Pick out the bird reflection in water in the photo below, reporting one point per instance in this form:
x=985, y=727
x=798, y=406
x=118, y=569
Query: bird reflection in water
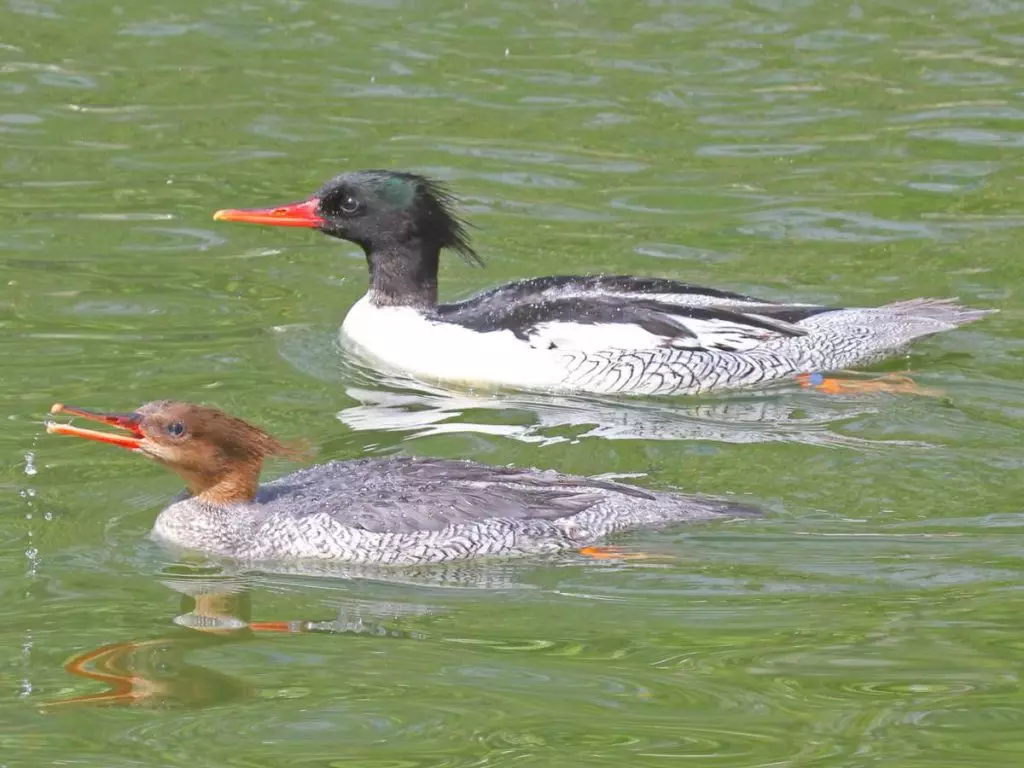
x=217, y=612
x=420, y=410
x=157, y=673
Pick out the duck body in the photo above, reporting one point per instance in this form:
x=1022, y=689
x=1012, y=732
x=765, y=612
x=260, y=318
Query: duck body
x=631, y=335
x=408, y=511
x=600, y=334
x=379, y=511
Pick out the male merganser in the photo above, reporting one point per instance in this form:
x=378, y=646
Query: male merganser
x=398, y=511
x=601, y=334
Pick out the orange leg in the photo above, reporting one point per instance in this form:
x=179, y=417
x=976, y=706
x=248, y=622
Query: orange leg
x=892, y=383
x=278, y=626
x=614, y=553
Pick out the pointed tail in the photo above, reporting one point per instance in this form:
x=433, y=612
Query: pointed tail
x=943, y=312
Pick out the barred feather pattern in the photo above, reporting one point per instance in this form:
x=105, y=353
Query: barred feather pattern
x=835, y=340
x=397, y=512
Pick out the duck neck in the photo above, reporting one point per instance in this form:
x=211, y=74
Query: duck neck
x=236, y=485
x=404, y=274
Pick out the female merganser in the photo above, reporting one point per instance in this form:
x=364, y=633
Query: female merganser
x=398, y=511
x=603, y=334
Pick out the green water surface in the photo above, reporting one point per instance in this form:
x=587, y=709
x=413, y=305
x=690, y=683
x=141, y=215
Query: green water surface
x=841, y=152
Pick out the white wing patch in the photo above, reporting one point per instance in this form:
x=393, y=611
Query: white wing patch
x=693, y=334
x=721, y=334
x=593, y=337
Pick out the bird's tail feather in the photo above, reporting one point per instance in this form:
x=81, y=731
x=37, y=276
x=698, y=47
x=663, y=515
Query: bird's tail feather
x=945, y=311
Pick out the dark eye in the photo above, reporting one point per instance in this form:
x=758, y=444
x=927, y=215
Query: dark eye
x=175, y=429
x=349, y=205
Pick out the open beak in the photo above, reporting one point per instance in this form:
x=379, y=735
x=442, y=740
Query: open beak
x=301, y=214
x=127, y=421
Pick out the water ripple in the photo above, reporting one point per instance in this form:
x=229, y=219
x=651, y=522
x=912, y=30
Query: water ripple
x=850, y=154
x=834, y=226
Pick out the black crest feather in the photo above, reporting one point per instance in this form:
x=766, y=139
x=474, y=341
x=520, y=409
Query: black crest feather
x=442, y=203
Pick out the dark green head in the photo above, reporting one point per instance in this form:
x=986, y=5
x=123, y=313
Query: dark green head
x=379, y=210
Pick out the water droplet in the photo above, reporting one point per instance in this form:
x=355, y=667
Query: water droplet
x=32, y=555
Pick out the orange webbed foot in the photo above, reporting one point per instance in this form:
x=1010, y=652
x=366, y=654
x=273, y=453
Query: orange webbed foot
x=889, y=383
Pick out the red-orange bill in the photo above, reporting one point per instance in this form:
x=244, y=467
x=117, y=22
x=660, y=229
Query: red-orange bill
x=127, y=421
x=301, y=214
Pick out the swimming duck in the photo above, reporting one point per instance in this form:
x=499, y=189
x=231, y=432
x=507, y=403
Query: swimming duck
x=396, y=511
x=600, y=334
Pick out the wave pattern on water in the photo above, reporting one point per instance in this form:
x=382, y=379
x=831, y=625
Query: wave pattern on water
x=843, y=153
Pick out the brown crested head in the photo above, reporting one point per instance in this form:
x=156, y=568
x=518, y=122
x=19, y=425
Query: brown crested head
x=219, y=456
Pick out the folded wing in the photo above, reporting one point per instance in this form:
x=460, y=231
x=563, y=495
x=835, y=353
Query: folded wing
x=628, y=313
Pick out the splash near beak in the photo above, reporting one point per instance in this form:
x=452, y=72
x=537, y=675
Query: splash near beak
x=301, y=214
x=126, y=421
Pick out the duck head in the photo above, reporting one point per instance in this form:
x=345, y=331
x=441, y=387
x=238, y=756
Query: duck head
x=401, y=220
x=218, y=456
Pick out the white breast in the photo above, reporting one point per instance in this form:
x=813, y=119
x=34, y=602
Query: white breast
x=403, y=340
